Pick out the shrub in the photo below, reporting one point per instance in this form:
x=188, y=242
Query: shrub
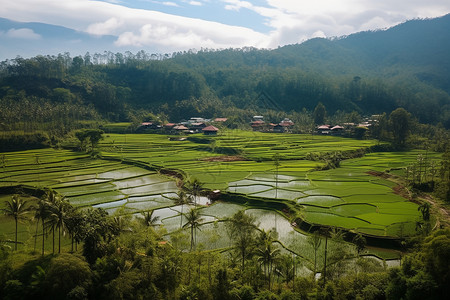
x=14, y=141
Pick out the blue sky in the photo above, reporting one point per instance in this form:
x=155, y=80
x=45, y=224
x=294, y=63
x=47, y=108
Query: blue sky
x=176, y=25
x=213, y=10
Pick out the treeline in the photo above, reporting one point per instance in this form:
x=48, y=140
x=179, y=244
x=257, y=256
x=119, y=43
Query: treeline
x=129, y=258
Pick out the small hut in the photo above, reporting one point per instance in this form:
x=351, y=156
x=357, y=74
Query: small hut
x=180, y=129
x=337, y=130
x=210, y=130
x=323, y=129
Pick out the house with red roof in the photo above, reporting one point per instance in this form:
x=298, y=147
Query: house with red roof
x=210, y=130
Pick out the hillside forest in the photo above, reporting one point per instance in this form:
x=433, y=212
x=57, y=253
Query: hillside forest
x=367, y=73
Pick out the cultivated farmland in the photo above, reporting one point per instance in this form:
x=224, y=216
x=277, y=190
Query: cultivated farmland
x=276, y=177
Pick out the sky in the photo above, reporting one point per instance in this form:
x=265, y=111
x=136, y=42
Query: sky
x=175, y=25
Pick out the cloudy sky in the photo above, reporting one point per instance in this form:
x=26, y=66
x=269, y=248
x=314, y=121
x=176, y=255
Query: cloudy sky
x=172, y=25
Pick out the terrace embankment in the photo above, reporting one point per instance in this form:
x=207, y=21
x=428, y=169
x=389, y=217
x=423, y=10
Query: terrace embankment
x=169, y=172
x=225, y=158
x=399, y=189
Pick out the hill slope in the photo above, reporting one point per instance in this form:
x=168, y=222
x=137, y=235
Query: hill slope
x=370, y=72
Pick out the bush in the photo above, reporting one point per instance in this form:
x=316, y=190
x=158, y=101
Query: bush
x=14, y=141
x=65, y=273
x=13, y=289
x=267, y=295
x=245, y=292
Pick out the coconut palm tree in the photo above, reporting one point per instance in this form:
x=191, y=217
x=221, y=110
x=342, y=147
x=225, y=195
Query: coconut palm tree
x=315, y=241
x=241, y=228
x=182, y=198
x=267, y=253
x=40, y=214
x=59, y=212
x=193, y=222
x=18, y=209
x=276, y=162
x=149, y=220
x=194, y=187
x=52, y=198
x=74, y=225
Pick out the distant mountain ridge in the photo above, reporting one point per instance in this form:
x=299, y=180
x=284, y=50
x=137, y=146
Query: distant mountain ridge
x=368, y=72
x=421, y=46
x=46, y=39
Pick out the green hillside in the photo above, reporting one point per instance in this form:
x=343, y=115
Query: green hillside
x=369, y=72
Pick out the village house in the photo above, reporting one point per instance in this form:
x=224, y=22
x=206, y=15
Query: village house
x=197, y=127
x=220, y=120
x=258, y=123
x=287, y=124
x=323, y=129
x=210, y=130
x=180, y=129
x=337, y=130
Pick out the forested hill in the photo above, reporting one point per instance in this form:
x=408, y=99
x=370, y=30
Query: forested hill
x=368, y=72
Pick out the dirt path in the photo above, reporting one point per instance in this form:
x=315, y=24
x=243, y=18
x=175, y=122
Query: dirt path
x=443, y=212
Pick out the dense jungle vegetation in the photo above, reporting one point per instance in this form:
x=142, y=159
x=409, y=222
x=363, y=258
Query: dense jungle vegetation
x=127, y=258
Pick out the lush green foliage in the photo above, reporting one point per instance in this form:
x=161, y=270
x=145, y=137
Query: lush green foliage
x=136, y=262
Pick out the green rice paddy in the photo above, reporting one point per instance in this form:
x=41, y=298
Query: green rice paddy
x=346, y=197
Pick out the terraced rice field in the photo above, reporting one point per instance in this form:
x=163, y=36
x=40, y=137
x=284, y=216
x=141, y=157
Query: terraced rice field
x=346, y=197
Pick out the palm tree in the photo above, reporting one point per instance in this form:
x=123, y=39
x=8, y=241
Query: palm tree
x=193, y=221
x=41, y=214
x=241, y=227
x=267, y=253
x=52, y=198
x=18, y=209
x=74, y=225
x=149, y=219
x=59, y=215
x=315, y=241
x=182, y=198
x=194, y=187
x=276, y=162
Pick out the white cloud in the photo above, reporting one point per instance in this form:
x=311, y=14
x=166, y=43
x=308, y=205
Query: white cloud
x=133, y=26
x=237, y=5
x=295, y=21
x=170, y=4
x=23, y=33
x=289, y=21
x=195, y=3
x=104, y=28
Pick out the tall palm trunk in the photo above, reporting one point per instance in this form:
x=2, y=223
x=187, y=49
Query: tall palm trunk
x=325, y=262
x=53, y=237
x=192, y=237
x=15, y=241
x=59, y=239
x=181, y=216
x=43, y=236
x=35, y=236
